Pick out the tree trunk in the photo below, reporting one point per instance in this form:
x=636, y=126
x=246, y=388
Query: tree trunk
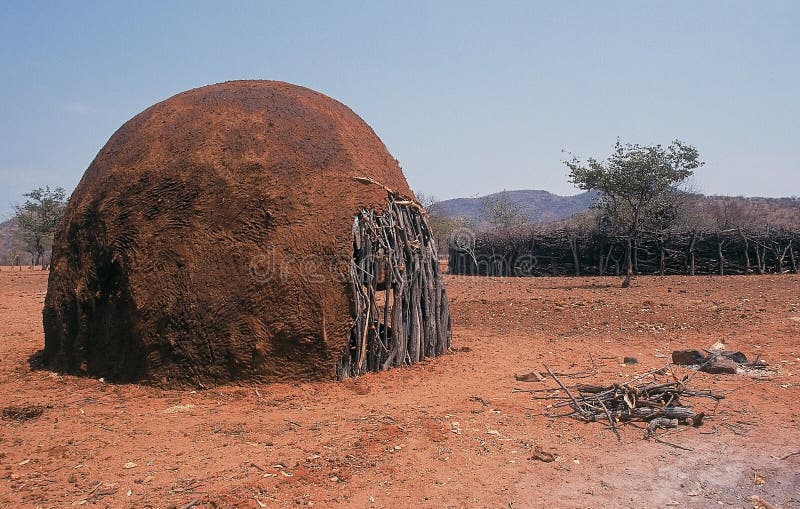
x=629, y=256
x=601, y=265
x=783, y=257
x=573, y=244
x=747, y=269
x=758, y=260
x=628, y=262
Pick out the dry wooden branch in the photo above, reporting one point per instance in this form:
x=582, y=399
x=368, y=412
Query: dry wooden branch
x=577, y=407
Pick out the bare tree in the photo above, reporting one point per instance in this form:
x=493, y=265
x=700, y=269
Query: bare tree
x=442, y=224
x=503, y=214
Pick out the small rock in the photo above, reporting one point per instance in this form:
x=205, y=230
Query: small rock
x=737, y=357
x=687, y=357
x=528, y=376
x=630, y=360
x=719, y=346
x=760, y=503
x=540, y=455
x=174, y=409
x=719, y=366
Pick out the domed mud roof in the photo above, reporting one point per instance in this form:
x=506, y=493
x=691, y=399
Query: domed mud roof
x=211, y=238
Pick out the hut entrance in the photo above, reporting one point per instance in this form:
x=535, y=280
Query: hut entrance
x=400, y=313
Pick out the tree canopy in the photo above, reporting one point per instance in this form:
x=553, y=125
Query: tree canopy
x=639, y=185
x=39, y=217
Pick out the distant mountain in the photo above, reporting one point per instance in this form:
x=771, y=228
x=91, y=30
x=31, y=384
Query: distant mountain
x=536, y=206
x=700, y=211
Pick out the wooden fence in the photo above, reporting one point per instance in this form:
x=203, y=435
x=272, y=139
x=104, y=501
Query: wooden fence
x=565, y=253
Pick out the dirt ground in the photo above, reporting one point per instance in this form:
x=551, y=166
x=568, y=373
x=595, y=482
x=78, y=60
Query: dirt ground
x=445, y=433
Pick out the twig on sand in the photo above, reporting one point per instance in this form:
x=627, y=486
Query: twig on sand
x=189, y=505
x=86, y=497
x=671, y=444
x=790, y=455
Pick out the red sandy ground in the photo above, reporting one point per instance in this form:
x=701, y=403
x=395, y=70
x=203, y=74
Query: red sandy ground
x=389, y=440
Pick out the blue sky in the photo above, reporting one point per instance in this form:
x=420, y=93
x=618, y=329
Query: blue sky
x=471, y=97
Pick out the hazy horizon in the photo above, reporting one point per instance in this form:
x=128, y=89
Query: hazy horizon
x=471, y=98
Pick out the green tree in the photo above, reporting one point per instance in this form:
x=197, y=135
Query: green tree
x=639, y=187
x=38, y=219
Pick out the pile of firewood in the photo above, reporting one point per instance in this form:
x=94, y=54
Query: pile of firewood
x=652, y=397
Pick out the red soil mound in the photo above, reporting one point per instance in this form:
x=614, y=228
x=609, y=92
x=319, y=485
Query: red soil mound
x=203, y=241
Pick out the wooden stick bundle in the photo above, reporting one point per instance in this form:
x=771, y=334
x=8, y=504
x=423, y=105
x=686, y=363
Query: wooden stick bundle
x=401, y=314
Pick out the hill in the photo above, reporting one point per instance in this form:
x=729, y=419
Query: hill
x=536, y=206
x=700, y=211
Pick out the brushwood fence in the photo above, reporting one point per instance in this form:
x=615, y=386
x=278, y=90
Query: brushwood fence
x=565, y=253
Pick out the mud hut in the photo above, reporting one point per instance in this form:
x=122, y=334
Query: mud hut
x=250, y=230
